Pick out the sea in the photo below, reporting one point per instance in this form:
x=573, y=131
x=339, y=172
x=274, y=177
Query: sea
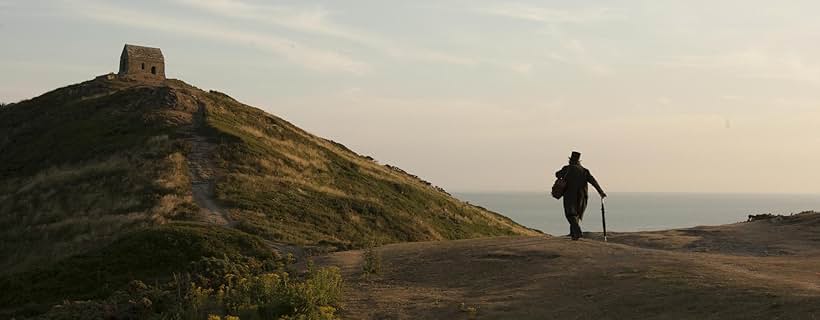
x=628, y=212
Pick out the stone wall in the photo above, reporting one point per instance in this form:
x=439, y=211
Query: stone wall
x=143, y=69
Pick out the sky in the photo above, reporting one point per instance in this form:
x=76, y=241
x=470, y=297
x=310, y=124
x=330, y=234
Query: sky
x=481, y=95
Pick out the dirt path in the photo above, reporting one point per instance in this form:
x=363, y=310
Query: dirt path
x=201, y=165
x=202, y=168
x=556, y=278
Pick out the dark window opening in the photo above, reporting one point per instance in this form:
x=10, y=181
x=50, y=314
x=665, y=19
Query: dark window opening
x=143, y=66
x=153, y=70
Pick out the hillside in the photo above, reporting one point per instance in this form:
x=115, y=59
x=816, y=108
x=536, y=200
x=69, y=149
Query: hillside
x=86, y=168
x=750, y=270
x=82, y=164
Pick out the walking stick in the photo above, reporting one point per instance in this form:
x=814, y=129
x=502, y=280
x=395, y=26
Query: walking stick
x=603, y=217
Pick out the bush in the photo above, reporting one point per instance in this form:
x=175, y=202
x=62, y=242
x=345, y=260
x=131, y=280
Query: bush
x=240, y=294
x=372, y=261
x=275, y=295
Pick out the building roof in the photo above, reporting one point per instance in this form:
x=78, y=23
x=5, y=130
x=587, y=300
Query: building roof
x=143, y=53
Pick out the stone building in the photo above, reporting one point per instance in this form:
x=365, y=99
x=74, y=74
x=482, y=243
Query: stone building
x=142, y=63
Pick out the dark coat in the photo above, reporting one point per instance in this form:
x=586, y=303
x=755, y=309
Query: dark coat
x=576, y=195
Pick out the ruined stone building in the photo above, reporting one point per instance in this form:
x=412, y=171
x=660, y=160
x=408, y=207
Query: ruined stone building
x=142, y=63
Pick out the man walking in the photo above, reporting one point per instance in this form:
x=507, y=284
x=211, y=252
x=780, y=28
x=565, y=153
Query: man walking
x=576, y=194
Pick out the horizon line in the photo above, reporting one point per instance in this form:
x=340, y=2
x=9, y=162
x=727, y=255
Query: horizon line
x=546, y=192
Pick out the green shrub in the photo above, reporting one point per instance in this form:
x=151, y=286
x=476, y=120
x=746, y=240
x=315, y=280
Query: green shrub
x=372, y=264
x=219, y=287
x=274, y=295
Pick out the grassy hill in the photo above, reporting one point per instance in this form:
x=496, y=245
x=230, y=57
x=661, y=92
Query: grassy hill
x=85, y=166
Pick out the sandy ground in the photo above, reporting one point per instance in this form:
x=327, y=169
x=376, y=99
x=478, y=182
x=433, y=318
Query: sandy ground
x=755, y=270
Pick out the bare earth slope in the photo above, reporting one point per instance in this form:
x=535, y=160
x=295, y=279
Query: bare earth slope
x=757, y=270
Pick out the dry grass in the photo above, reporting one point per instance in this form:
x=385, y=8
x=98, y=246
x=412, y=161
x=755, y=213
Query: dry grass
x=69, y=209
x=60, y=175
x=296, y=153
x=176, y=176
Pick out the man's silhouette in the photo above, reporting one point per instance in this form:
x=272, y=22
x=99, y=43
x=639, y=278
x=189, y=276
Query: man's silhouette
x=576, y=194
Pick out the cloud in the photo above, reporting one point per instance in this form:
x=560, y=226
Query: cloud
x=550, y=15
x=751, y=63
x=310, y=19
x=572, y=51
x=522, y=68
x=293, y=51
x=316, y=20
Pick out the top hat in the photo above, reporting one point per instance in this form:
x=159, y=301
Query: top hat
x=575, y=156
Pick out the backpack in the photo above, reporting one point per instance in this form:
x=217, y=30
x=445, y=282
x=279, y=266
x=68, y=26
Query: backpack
x=560, y=186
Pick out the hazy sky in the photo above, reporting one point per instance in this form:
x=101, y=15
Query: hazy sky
x=707, y=96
